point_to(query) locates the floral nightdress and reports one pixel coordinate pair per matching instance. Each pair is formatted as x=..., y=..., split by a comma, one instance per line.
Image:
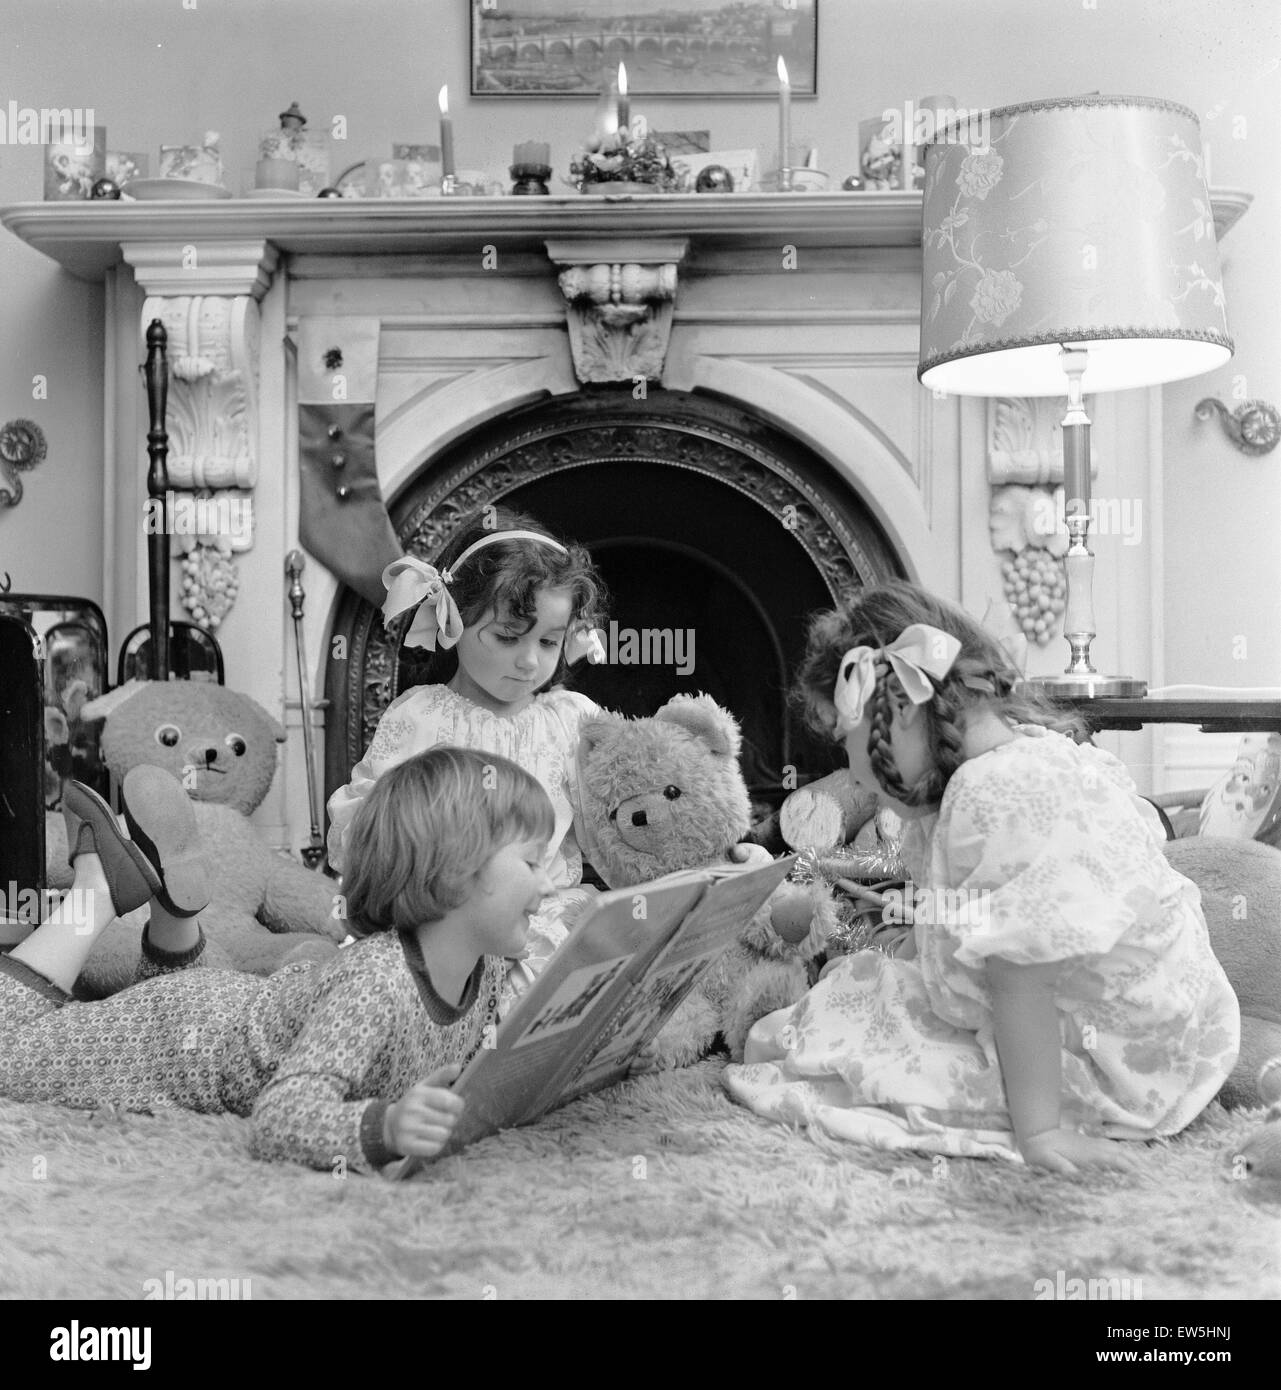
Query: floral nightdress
x=1056, y=858
x=542, y=738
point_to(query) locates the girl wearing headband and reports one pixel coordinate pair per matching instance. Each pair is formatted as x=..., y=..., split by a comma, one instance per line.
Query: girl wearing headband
x=507, y=610
x=1057, y=991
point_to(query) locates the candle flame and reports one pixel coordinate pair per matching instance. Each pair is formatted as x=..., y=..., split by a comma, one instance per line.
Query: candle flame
x=782, y=71
x=443, y=99
x=622, y=80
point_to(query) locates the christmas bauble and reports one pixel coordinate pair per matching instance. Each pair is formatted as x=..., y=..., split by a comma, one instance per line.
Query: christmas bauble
x=105, y=188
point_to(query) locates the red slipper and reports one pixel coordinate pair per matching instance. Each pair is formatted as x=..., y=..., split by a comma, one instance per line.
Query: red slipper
x=92, y=828
x=163, y=826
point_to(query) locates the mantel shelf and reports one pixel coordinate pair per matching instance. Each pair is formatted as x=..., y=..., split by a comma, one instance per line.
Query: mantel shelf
x=85, y=238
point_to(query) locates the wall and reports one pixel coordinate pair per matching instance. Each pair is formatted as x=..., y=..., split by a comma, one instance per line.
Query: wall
x=166, y=70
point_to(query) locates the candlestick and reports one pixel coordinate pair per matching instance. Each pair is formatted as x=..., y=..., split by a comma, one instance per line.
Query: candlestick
x=532, y=152
x=784, y=127
x=624, y=106
x=446, y=136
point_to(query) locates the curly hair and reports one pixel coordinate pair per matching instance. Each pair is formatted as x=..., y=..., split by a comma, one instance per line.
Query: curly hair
x=508, y=576
x=981, y=675
x=428, y=827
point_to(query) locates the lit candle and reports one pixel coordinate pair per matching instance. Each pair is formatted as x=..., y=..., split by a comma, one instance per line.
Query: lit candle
x=446, y=135
x=784, y=124
x=624, y=106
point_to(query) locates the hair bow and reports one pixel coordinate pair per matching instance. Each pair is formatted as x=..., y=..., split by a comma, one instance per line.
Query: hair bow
x=587, y=642
x=919, y=652
x=413, y=583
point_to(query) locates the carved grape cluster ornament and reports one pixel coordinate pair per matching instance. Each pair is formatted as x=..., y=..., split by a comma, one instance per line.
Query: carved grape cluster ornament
x=209, y=585
x=1036, y=590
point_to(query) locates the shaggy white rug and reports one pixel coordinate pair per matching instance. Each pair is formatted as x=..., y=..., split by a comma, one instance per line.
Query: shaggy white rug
x=660, y=1188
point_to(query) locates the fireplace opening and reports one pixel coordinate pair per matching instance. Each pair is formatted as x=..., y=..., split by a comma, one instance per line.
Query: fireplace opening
x=716, y=534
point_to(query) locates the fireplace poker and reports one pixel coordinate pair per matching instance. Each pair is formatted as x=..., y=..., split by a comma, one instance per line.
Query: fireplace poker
x=156, y=373
x=313, y=855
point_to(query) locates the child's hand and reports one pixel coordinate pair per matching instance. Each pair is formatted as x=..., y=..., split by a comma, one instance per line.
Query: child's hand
x=1066, y=1151
x=421, y=1121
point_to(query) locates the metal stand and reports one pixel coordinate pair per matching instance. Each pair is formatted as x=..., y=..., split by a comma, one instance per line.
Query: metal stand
x=1080, y=680
x=313, y=855
x=156, y=372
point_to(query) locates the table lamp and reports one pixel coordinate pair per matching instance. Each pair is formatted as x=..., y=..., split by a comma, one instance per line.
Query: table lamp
x=1069, y=246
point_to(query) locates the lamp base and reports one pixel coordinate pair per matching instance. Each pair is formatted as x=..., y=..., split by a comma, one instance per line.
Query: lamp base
x=1093, y=686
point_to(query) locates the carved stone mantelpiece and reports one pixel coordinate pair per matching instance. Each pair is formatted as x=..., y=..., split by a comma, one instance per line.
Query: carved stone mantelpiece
x=819, y=345
x=621, y=298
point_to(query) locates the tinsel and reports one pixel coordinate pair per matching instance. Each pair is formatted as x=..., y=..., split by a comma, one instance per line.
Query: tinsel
x=860, y=926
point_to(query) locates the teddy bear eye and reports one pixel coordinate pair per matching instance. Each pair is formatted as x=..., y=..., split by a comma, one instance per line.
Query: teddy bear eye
x=236, y=744
x=671, y=793
x=167, y=735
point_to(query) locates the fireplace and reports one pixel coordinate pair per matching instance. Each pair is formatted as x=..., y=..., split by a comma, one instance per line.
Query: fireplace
x=716, y=534
x=716, y=394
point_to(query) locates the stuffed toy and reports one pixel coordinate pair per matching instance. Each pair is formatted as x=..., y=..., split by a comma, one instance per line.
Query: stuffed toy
x=664, y=793
x=266, y=909
x=1240, y=883
x=1262, y=1152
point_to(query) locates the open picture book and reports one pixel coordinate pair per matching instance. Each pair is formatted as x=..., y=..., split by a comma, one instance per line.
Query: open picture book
x=604, y=996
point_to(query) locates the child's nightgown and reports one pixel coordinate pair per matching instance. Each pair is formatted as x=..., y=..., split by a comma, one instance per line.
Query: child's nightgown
x=542, y=738
x=315, y=1053
x=1060, y=860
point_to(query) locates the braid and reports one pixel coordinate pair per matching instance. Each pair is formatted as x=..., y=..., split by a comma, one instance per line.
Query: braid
x=879, y=749
x=946, y=748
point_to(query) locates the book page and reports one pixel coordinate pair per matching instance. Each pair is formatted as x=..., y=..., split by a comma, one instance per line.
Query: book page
x=709, y=930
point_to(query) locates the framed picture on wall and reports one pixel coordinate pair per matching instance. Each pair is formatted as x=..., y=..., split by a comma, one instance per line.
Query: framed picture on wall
x=672, y=48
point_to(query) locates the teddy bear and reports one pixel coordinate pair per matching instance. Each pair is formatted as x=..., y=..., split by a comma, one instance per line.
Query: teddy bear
x=665, y=793
x=1240, y=884
x=1262, y=1151
x=266, y=909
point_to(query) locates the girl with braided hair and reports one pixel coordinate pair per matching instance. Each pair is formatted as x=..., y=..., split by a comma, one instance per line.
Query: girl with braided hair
x=1057, y=991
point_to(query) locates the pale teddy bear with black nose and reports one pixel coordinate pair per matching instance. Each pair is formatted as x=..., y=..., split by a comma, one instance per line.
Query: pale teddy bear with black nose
x=266, y=909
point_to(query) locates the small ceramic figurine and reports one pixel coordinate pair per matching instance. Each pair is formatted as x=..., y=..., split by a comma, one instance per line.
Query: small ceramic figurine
x=309, y=149
x=715, y=178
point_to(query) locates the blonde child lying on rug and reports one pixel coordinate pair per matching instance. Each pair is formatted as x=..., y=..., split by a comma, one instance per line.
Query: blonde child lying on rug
x=348, y=1063
x=518, y=608
x=1057, y=991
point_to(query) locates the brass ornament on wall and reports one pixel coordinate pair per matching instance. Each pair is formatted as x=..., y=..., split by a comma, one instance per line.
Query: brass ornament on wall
x=22, y=447
x=1254, y=427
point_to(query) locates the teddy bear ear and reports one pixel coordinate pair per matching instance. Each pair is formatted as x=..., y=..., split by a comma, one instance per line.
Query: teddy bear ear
x=705, y=719
x=593, y=731
x=106, y=705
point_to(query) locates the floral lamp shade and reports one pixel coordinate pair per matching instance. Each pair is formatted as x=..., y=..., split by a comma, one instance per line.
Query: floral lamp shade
x=1076, y=222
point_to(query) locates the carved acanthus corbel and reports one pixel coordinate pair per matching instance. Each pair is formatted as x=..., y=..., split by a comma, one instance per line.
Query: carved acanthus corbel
x=207, y=298
x=621, y=296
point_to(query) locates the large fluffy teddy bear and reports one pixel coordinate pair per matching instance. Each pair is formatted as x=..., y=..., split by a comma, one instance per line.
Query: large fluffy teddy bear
x=1240, y=883
x=665, y=793
x=266, y=909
